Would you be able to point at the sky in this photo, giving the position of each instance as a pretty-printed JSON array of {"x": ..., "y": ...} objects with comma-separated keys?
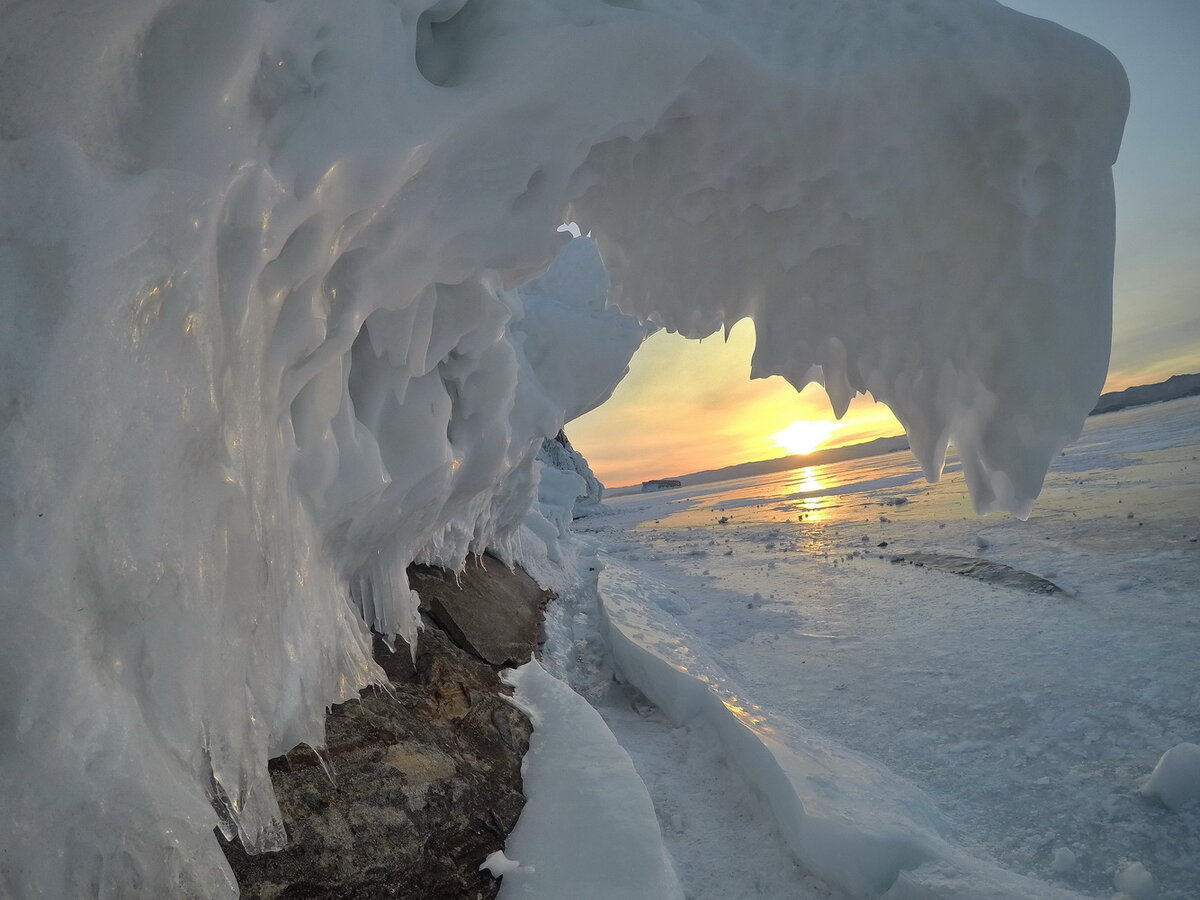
[{"x": 687, "y": 405}]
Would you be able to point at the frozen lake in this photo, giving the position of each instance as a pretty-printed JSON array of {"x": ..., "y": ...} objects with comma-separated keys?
[{"x": 1030, "y": 716}]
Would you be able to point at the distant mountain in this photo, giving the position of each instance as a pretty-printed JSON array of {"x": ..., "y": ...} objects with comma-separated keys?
[
  {"x": 877, "y": 447},
  {"x": 1172, "y": 389}
]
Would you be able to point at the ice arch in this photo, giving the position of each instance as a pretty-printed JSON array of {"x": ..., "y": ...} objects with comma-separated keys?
[{"x": 262, "y": 348}]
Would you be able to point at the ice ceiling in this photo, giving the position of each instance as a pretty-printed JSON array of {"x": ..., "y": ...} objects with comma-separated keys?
[{"x": 262, "y": 345}]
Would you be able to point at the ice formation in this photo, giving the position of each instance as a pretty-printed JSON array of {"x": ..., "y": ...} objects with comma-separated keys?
[
  {"x": 846, "y": 818},
  {"x": 559, "y": 453},
  {"x": 1176, "y": 778},
  {"x": 589, "y": 829},
  {"x": 262, "y": 347},
  {"x": 1135, "y": 882}
]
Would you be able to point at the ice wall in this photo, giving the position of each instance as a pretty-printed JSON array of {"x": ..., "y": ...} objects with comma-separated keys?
[{"x": 261, "y": 347}]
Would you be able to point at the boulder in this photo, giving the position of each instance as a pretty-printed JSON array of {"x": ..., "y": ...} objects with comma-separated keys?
[
  {"x": 421, "y": 779},
  {"x": 489, "y": 610}
]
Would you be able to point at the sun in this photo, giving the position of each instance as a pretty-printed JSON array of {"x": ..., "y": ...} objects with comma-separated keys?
[{"x": 804, "y": 436}]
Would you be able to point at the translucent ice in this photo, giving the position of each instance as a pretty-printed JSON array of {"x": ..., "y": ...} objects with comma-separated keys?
[{"x": 262, "y": 347}]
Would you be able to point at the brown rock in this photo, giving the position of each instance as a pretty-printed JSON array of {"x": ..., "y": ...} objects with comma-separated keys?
[
  {"x": 426, "y": 778},
  {"x": 489, "y": 609}
]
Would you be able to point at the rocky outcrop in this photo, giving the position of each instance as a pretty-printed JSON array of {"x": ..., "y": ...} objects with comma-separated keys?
[
  {"x": 421, "y": 778},
  {"x": 488, "y": 610}
]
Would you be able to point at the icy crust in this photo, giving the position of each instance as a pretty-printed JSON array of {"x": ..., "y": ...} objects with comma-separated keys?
[
  {"x": 847, "y": 818},
  {"x": 588, "y": 829},
  {"x": 262, "y": 347}
]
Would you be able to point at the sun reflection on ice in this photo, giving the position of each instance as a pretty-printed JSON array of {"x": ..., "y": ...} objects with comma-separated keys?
[
  {"x": 749, "y": 715},
  {"x": 808, "y": 490}
]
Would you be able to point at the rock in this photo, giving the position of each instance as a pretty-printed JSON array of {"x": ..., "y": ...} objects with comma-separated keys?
[
  {"x": 420, "y": 781},
  {"x": 984, "y": 570},
  {"x": 488, "y": 610}
]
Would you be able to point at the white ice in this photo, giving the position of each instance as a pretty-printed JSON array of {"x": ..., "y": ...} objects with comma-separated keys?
[
  {"x": 262, "y": 346},
  {"x": 1019, "y": 726},
  {"x": 588, "y": 829},
  {"x": 846, "y": 818},
  {"x": 1176, "y": 777}
]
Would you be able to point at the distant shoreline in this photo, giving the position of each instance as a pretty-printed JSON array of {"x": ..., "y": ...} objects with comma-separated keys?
[
  {"x": 1174, "y": 388},
  {"x": 877, "y": 447}
]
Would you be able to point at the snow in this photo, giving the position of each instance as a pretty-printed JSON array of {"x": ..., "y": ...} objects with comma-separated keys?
[
  {"x": 1064, "y": 861},
  {"x": 1134, "y": 881},
  {"x": 1176, "y": 777},
  {"x": 499, "y": 865},
  {"x": 1024, "y": 722},
  {"x": 588, "y": 829},
  {"x": 847, "y": 819},
  {"x": 722, "y": 843},
  {"x": 264, "y": 344}
]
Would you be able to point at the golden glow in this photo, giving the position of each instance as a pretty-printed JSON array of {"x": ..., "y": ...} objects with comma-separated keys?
[
  {"x": 750, "y": 717},
  {"x": 808, "y": 481},
  {"x": 804, "y": 435},
  {"x": 686, "y": 406}
]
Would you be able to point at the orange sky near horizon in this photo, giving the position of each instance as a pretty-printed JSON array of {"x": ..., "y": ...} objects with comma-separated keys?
[
  {"x": 689, "y": 405},
  {"x": 686, "y": 406}
]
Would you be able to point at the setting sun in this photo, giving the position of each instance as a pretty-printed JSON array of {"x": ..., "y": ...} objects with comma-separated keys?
[{"x": 804, "y": 436}]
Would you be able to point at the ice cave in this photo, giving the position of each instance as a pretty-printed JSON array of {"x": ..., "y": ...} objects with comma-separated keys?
[{"x": 266, "y": 338}]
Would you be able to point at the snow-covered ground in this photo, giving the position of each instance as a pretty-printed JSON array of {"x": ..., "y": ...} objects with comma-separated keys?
[{"x": 1011, "y": 728}]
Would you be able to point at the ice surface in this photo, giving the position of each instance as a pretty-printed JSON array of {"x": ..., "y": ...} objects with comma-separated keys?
[
  {"x": 847, "y": 819},
  {"x": 262, "y": 346},
  {"x": 1030, "y": 720},
  {"x": 588, "y": 829}
]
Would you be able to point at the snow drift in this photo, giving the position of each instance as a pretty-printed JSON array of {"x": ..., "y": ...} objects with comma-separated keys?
[{"x": 262, "y": 347}]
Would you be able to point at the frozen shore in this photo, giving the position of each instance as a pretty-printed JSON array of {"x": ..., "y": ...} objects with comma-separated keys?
[{"x": 1027, "y": 722}]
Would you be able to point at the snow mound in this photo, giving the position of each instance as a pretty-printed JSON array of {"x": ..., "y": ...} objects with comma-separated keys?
[
  {"x": 263, "y": 348},
  {"x": 588, "y": 829},
  {"x": 847, "y": 818},
  {"x": 1135, "y": 882},
  {"x": 1176, "y": 778}
]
